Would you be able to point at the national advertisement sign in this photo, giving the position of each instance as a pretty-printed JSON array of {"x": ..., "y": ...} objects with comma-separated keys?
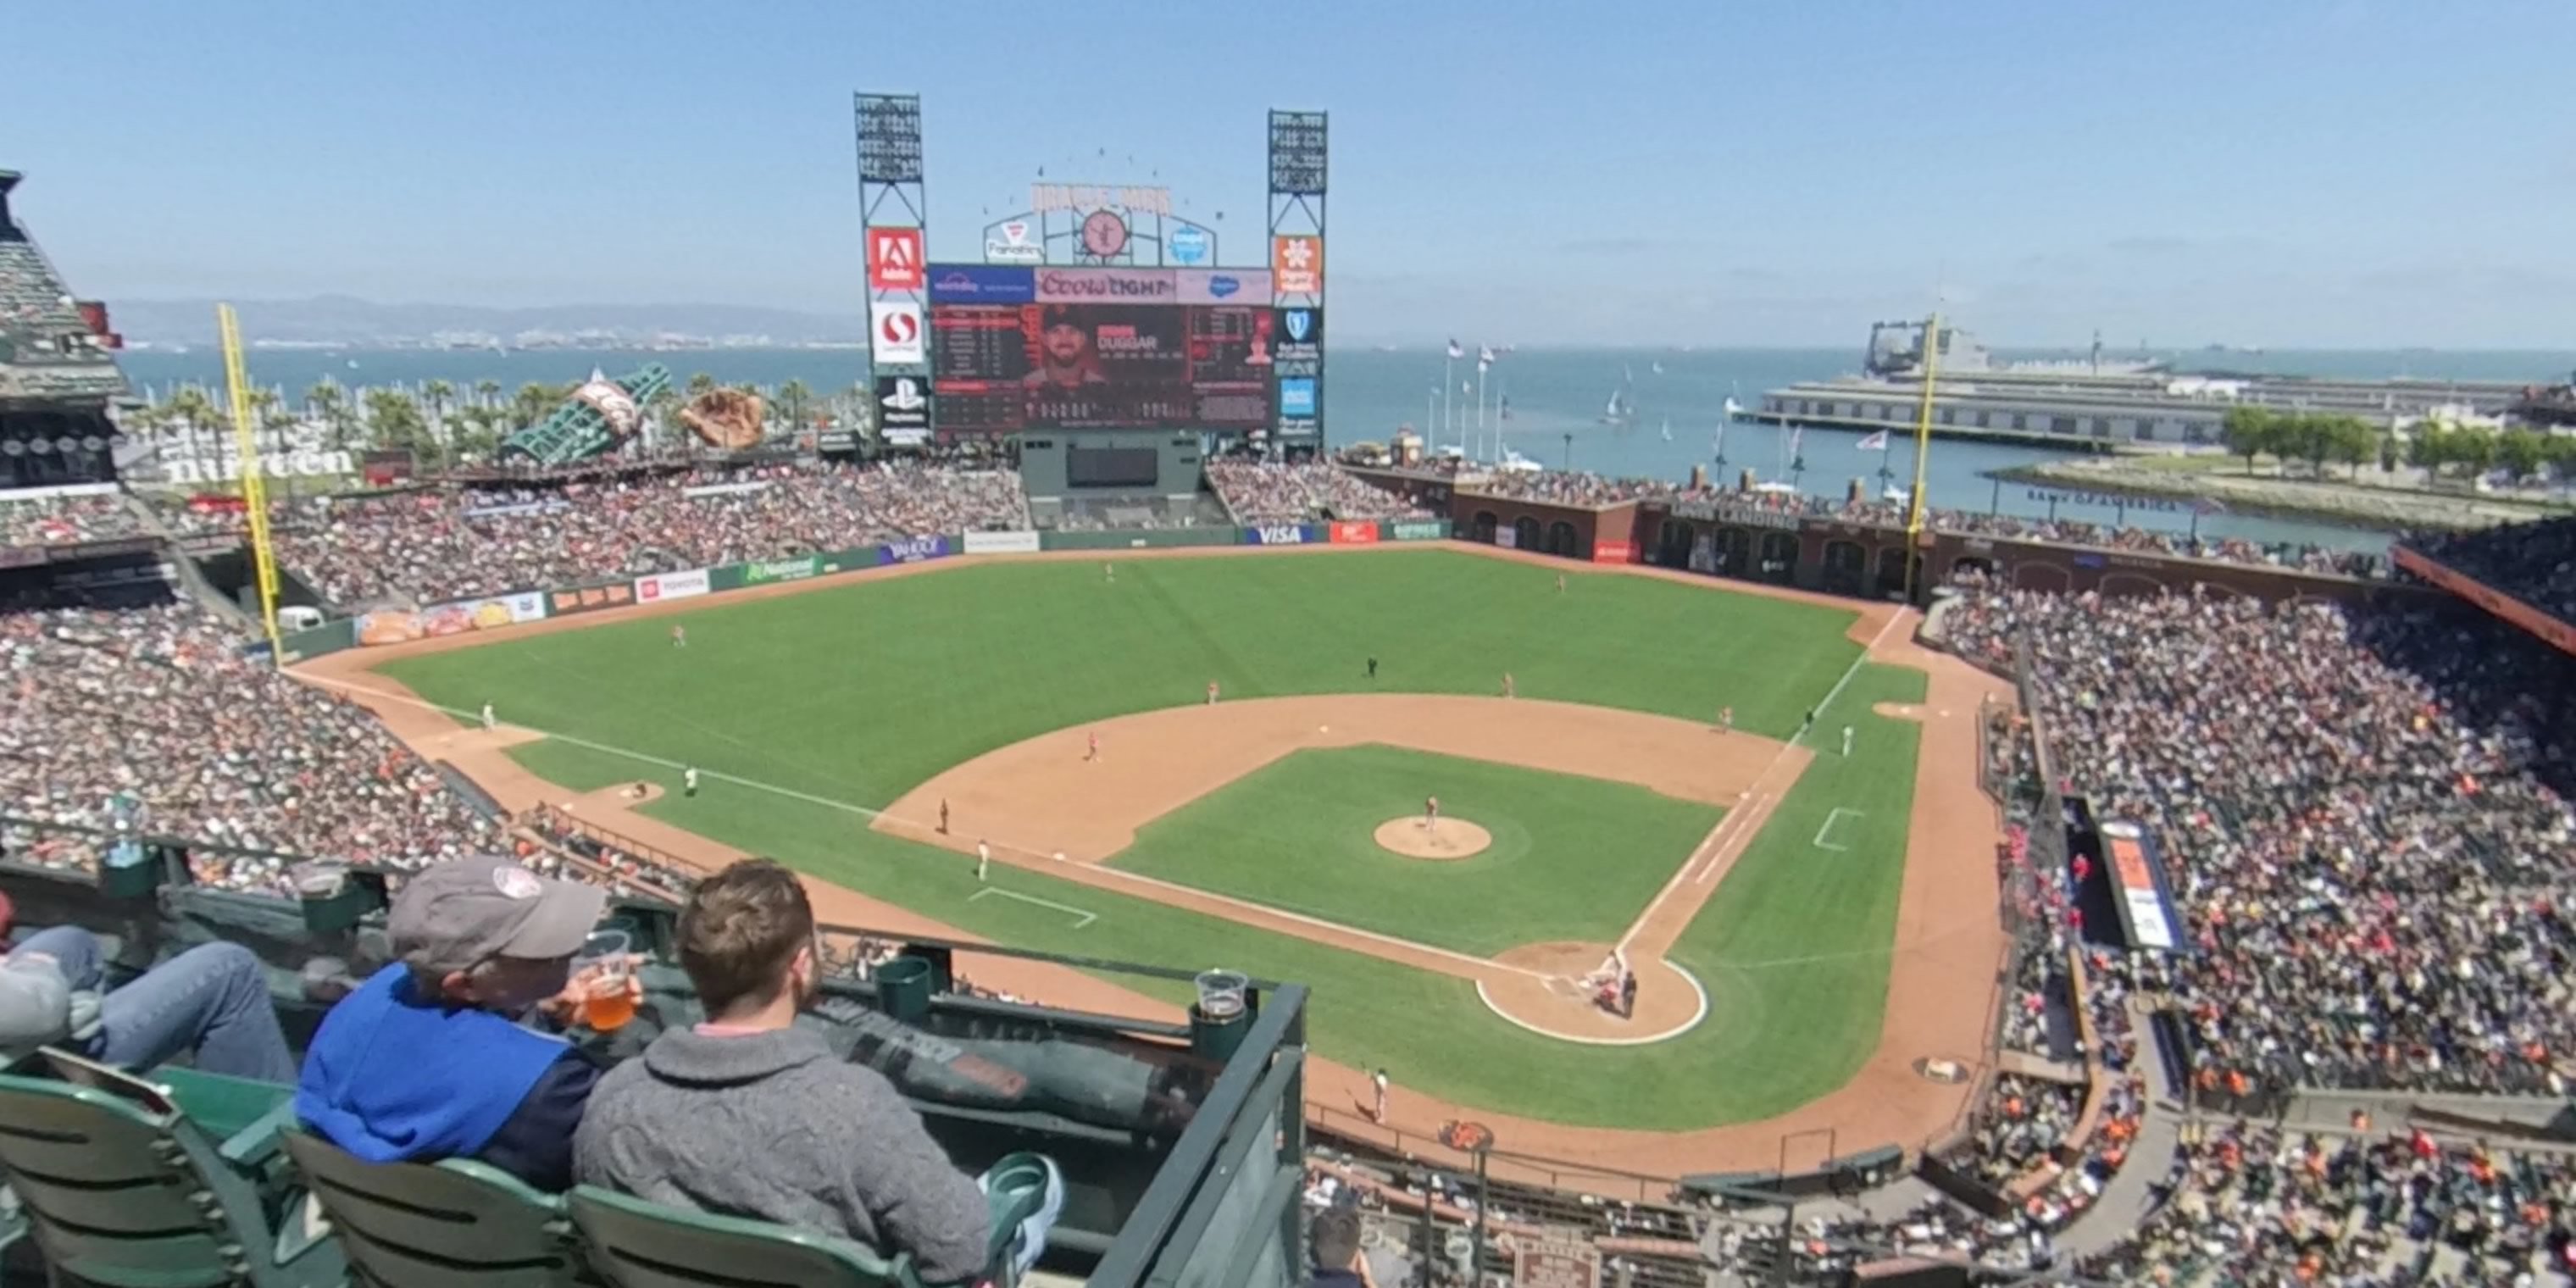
[
  {"x": 981, "y": 284},
  {"x": 912, "y": 550},
  {"x": 1108, "y": 286},
  {"x": 1276, "y": 534},
  {"x": 1001, "y": 543},
  {"x": 1418, "y": 530},
  {"x": 1224, "y": 286},
  {"x": 903, "y": 405},
  {"x": 774, "y": 571},
  {"x": 899, "y": 337},
  {"x": 1348, "y": 533},
  {"x": 672, "y": 585},
  {"x": 1297, "y": 265},
  {"x": 1189, "y": 246},
  {"x": 1300, "y": 335},
  {"x": 894, "y": 259}
]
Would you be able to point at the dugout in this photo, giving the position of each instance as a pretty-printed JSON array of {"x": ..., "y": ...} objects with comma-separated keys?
[{"x": 1071, "y": 470}]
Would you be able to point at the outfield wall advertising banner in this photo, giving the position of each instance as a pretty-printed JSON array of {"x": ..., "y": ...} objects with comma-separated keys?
[
  {"x": 766, "y": 573},
  {"x": 1417, "y": 530},
  {"x": 586, "y": 599},
  {"x": 1353, "y": 534},
  {"x": 458, "y": 617},
  {"x": 1613, "y": 551},
  {"x": 912, "y": 550},
  {"x": 672, "y": 585},
  {"x": 1278, "y": 534},
  {"x": 1001, "y": 543},
  {"x": 1507, "y": 538}
]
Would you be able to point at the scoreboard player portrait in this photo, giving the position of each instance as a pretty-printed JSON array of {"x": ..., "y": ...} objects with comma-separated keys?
[{"x": 1067, "y": 352}]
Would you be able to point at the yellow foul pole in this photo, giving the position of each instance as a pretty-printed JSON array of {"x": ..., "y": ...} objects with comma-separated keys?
[
  {"x": 1922, "y": 456},
  {"x": 254, "y": 491}
]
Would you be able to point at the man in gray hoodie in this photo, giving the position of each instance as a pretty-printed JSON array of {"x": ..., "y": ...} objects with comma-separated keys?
[{"x": 749, "y": 1115}]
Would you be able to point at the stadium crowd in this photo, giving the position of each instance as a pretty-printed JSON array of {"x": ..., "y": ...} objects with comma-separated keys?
[
  {"x": 151, "y": 720},
  {"x": 2258, "y": 1205},
  {"x": 432, "y": 546},
  {"x": 2365, "y": 813},
  {"x": 65, "y": 519},
  {"x": 1259, "y": 492},
  {"x": 2533, "y": 562}
]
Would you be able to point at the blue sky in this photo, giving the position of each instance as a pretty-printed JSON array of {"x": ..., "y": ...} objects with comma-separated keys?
[{"x": 2285, "y": 173}]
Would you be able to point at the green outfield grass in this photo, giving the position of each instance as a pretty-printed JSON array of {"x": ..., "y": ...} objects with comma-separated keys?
[
  {"x": 1572, "y": 858},
  {"x": 854, "y": 694}
]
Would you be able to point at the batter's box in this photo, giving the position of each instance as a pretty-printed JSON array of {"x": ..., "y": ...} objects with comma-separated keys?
[
  {"x": 1833, "y": 817},
  {"x": 1081, "y": 918}
]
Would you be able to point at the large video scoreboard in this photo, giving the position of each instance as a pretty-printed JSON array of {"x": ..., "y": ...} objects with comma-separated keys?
[{"x": 1019, "y": 348}]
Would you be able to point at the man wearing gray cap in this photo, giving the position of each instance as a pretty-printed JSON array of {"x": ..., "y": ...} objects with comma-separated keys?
[{"x": 427, "y": 1060}]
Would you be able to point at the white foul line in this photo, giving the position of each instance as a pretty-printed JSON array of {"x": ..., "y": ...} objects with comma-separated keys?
[
  {"x": 1752, "y": 804},
  {"x": 1833, "y": 816},
  {"x": 1087, "y": 917}
]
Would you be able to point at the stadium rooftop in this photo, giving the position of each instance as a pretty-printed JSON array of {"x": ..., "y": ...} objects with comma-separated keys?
[{"x": 47, "y": 349}]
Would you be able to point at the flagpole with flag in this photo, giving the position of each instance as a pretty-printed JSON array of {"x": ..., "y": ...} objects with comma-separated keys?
[
  {"x": 1484, "y": 362},
  {"x": 1883, "y": 443},
  {"x": 1449, "y": 376}
]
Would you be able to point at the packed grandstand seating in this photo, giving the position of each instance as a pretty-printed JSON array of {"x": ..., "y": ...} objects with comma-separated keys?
[
  {"x": 430, "y": 546},
  {"x": 2367, "y": 819},
  {"x": 2533, "y": 562},
  {"x": 159, "y": 704},
  {"x": 2258, "y": 1205},
  {"x": 1259, "y": 492},
  {"x": 65, "y": 520}
]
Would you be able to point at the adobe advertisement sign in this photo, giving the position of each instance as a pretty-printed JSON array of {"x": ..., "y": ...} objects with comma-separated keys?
[
  {"x": 1297, "y": 264},
  {"x": 894, "y": 259}
]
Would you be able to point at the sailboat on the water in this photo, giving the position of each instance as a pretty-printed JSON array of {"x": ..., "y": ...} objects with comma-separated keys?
[
  {"x": 1668, "y": 429},
  {"x": 1623, "y": 401}
]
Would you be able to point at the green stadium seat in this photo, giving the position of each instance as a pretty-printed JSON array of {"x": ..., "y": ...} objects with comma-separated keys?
[
  {"x": 124, "y": 1188},
  {"x": 450, "y": 1225},
  {"x": 636, "y": 1244}
]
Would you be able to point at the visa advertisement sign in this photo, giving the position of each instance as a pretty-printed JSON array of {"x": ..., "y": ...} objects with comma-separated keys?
[
  {"x": 1225, "y": 286},
  {"x": 982, "y": 284},
  {"x": 1277, "y": 534}
]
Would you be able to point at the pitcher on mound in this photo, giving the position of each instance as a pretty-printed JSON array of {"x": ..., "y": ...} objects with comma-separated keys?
[{"x": 1431, "y": 813}]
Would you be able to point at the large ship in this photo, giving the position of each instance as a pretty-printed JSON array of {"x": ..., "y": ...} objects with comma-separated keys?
[{"x": 2094, "y": 401}]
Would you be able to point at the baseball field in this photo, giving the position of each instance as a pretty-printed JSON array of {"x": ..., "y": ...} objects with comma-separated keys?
[{"x": 1056, "y": 711}]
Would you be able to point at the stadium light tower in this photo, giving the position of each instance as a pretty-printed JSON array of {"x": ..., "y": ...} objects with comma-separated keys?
[
  {"x": 895, "y": 234},
  {"x": 1298, "y": 157}
]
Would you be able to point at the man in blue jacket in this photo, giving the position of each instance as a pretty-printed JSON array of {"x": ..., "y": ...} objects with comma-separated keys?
[{"x": 428, "y": 1060}]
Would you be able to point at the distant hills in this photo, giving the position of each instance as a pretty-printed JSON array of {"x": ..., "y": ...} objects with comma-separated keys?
[{"x": 346, "y": 319}]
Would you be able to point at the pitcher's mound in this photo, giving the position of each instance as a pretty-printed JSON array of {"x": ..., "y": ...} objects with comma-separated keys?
[{"x": 1450, "y": 838}]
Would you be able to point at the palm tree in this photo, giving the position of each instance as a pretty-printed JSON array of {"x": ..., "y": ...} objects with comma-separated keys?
[
  {"x": 487, "y": 392},
  {"x": 699, "y": 383},
  {"x": 793, "y": 399},
  {"x": 533, "y": 404},
  {"x": 395, "y": 421}
]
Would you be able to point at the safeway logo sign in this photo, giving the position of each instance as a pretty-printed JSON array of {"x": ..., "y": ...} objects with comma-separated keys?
[
  {"x": 894, "y": 259},
  {"x": 898, "y": 334},
  {"x": 1297, "y": 265}
]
